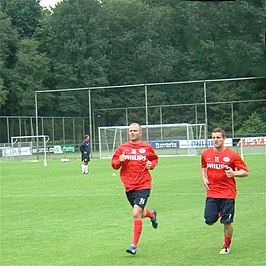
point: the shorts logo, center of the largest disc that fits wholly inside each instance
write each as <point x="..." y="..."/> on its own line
<point x="141" y="201"/>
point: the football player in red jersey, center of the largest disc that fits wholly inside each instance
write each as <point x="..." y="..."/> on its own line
<point x="135" y="158"/>
<point x="219" y="167"/>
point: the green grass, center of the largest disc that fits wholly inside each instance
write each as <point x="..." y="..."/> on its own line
<point x="53" y="215"/>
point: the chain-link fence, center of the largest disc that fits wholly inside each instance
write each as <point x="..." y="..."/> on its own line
<point x="71" y="130"/>
<point x="229" y="112"/>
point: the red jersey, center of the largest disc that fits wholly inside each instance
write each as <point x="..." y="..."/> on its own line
<point x="133" y="172"/>
<point x="220" y="185"/>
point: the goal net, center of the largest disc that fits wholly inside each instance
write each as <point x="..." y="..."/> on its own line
<point x="166" y="139"/>
<point x="252" y="145"/>
<point x="24" y="146"/>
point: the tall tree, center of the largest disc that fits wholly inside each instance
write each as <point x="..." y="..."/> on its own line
<point x="139" y="43"/>
<point x="70" y="38"/>
<point x="24" y="15"/>
<point x="28" y="75"/>
<point x="8" y="43"/>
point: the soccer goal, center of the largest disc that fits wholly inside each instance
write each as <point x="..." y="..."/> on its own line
<point x="252" y="145"/>
<point x="166" y="139"/>
<point x="29" y="145"/>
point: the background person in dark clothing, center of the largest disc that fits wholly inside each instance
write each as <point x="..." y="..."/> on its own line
<point x="85" y="149"/>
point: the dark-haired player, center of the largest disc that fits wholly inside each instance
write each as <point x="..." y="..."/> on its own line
<point x="85" y="150"/>
<point x="219" y="167"/>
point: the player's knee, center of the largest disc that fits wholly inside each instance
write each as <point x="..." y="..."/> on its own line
<point x="137" y="212"/>
<point x="210" y="220"/>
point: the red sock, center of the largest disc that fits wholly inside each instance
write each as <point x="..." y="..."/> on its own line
<point x="149" y="214"/>
<point x="227" y="241"/>
<point x="136" y="232"/>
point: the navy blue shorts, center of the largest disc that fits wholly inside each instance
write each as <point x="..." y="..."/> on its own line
<point x="214" y="208"/>
<point x="85" y="157"/>
<point x="138" y="197"/>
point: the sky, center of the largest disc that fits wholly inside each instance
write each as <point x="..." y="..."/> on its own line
<point x="48" y="3"/>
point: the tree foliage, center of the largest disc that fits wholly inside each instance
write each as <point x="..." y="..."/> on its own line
<point x="28" y="75"/>
<point x="85" y="43"/>
<point x="24" y="15"/>
<point x="254" y="125"/>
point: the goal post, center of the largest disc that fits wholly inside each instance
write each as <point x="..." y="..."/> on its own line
<point x="166" y="139"/>
<point x="251" y="145"/>
<point x="17" y="140"/>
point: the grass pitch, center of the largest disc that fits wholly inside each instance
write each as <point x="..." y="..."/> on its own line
<point x="53" y="215"/>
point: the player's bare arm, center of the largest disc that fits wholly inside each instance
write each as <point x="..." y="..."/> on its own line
<point x="205" y="178"/>
<point x="122" y="157"/>
<point x="149" y="165"/>
<point x="239" y="173"/>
